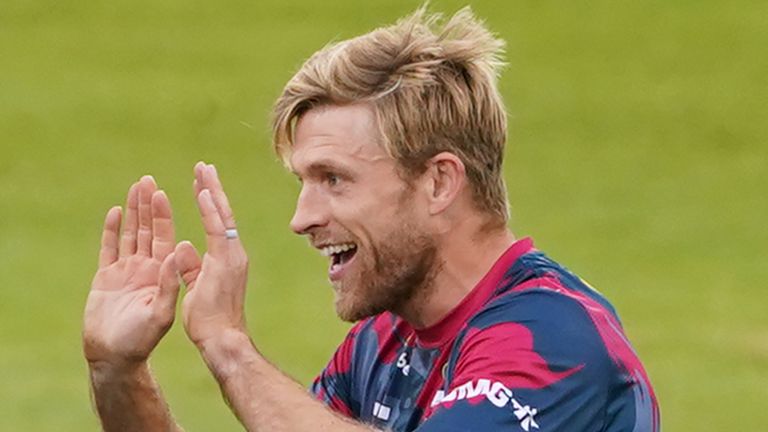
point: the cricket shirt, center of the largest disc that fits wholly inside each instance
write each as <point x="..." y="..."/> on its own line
<point x="531" y="347"/>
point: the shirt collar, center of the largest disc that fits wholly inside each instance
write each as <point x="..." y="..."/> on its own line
<point x="445" y="329"/>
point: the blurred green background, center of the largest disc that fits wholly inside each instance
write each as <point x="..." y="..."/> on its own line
<point x="637" y="157"/>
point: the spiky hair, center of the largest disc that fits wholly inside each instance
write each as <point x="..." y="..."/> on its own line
<point x="433" y="88"/>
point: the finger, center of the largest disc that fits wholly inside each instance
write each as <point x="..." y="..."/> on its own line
<point x="188" y="263"/>
<point x="128" y="241"/>
<point x="169" y="288"/>
<point x="198" y="183"/>
<point x="110" y="237"/>
<point x="213" y="184"/>
<point x="163" y="236"/>
<point x="147" y="187"/>
<point x="214" y="227"/>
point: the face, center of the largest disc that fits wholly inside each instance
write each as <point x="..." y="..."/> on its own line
<point x="359" y="213"/>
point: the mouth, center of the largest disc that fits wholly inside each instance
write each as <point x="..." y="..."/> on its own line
<point x="341" y="255"/>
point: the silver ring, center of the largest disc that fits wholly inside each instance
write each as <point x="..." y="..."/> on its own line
<point x="230" y="233"/>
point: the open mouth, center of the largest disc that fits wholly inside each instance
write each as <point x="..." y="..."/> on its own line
<point x="340" y="254"/>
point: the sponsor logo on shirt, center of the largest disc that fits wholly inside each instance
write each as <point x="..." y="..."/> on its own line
<point x="497" y="393"/>
<point x="381" y="411"/>
<point x="402" y="364"/>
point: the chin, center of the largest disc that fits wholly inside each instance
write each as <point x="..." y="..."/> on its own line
<point x="352" y="309"/>
<point x="347" y="312"/>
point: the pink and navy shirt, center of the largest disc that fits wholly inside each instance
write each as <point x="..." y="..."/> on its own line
<point x="532" y="347"/>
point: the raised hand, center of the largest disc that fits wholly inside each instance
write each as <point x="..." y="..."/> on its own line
<point x="213" y="305"/>
<point x="261" y="397"/>
<point x="132" y="300"/>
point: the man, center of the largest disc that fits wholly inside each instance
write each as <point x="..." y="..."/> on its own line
<point x="397" y="137"/>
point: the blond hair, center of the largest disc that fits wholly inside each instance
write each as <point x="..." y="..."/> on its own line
<point x="433" y="88"/>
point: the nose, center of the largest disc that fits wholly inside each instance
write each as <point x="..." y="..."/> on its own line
<point x="311" y="212"/>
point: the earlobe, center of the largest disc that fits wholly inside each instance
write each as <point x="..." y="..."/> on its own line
<point x="447" y="179"/>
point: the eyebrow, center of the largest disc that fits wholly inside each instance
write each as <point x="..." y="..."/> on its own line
<point x="323" y="165"/>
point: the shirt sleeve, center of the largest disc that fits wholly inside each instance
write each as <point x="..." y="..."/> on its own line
<point x="333" y="385"/>
<point x="547" y="370"/>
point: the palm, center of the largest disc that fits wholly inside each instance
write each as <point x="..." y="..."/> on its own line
<point x="132" y="299"/>
<point x="120" y="308"/>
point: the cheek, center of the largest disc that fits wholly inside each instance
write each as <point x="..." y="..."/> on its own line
<point x="381" y="208"/>
<point x="371" y="214"/>
<point x="359" y="217"/>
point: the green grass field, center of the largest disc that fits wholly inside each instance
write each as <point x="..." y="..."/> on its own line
<point x="638" y="157"/>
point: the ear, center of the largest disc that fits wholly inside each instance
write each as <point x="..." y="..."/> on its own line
<point x="446" y="177"/>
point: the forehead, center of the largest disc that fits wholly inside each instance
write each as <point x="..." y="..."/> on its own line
<point x="337" y="134"/>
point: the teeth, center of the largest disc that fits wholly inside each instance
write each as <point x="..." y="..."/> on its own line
<point x="335" y="249"/>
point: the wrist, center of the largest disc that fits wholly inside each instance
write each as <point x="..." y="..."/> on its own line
<point x="117" y="367"/>
<point x="118" y="375"/>
<point x="228" y="353"/>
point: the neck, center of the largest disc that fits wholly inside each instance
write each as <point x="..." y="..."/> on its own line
<point x="465" y="256"/>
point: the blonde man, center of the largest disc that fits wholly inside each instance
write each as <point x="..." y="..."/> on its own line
<point x="397" y="137"/>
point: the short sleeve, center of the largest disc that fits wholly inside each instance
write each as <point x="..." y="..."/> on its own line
<point x="333" y="385"/>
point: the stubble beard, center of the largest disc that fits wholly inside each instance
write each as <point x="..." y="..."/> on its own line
<point x="392" y="273"/>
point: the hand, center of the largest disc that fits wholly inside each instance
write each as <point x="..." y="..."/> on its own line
<point x="213" y="305"/>
<point x="132" y="300"/>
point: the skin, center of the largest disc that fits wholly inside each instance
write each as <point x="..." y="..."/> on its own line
<point x="130" y="307"/>
<point x="351" y="192"/>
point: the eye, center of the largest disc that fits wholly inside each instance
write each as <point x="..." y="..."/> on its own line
<point x="332" y="179"/>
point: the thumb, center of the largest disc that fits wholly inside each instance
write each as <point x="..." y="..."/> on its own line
<point x="188" y="263"/>
<point x="169" y="285"/>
